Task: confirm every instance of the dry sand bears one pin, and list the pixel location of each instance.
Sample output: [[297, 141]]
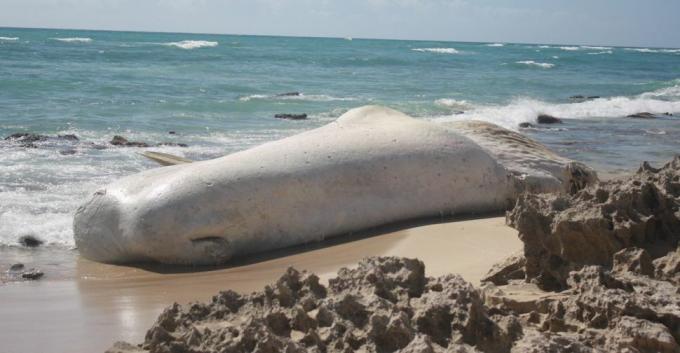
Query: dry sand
[[81, 306]]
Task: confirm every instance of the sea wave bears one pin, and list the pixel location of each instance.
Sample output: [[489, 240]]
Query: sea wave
[[495, 45], [9, 39], [192, 44], [648, 50], [437, 50], [595, 48], [570, 48], [527, 109], [73, 39], [301, 97], [602, 52], [536, 64], [454, 104]]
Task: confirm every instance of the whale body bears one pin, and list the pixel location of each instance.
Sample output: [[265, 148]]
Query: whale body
[[370, 167]]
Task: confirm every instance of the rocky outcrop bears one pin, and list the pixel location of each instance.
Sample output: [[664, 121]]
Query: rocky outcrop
[[389, 305], [565, 232], [383, 305]]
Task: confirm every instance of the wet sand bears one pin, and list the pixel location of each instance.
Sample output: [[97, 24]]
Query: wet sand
[[82, 306]]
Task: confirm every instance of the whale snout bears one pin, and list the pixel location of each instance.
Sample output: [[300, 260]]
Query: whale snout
[[97, 231]]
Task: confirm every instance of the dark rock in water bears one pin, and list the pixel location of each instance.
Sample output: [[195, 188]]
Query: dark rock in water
[[26, 137], [668, 114], [171, 132], [291, 116], [68, 137], [32, 274], [643, 115], [526, 125], [122, 141], [30, 241], [548, 119], [172, 144], [67, 152], [580, 98], [16, 267], [289, 94]]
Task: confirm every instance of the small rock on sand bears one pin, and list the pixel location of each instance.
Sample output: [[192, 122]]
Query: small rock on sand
[[32, 274], [643, 115]]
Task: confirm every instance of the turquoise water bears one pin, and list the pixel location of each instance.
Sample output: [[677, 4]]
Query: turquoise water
[[218, 93]]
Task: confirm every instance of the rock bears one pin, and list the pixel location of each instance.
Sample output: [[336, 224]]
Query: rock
[[291, 116], [173, 144], [548, 119], [633, 260], [667, 268], [16, 267], [510, 269], [30, 241], [578, 97], [643, 115], [26, 137], [526, 125], [68, 137], [68, 152], [122, 347], [444, 168], [562, 233], [289, 94], [668, 114], [122, 141], [32, 274], [172, 132]]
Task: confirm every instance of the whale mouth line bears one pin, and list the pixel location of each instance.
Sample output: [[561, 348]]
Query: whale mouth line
[[207, 239]]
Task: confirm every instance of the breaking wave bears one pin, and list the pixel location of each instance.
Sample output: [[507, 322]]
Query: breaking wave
[[437, 50], [8, 39], [665, 100], [300, 96], [536, 64], [495, 45], [192, 44], [74, 40]]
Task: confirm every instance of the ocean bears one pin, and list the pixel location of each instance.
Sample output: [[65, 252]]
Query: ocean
[[219, 94]]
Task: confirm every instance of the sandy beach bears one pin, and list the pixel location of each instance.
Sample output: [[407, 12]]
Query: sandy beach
[[82, 306]]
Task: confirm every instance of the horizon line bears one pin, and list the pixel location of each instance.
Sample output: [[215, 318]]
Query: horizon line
[[324, 37]]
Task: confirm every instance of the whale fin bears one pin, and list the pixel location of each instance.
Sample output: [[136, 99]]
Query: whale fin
[[165, 159]]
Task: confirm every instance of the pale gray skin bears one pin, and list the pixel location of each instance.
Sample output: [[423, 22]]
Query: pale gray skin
[[372, 166]]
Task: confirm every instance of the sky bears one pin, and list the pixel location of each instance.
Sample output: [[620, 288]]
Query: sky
[[597, 22]]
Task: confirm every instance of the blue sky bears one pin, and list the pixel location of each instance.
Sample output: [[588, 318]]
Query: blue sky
[[606, 22]]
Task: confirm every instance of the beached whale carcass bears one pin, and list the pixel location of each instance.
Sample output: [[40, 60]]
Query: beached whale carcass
[[370, 167]]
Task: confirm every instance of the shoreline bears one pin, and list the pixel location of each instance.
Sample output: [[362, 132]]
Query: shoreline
[[97, 304]]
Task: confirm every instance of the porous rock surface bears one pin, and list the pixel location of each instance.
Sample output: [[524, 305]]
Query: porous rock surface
[[565, 232], [388, 305]]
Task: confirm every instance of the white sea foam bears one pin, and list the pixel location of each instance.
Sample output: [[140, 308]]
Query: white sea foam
[[648, 50], [454, 104], [495, 45], [602, 52], [544, 46], [536, 64], [570, 48], [437, 50], [596, 48], [9, 39], [74, 40], [526, 109], [192, 44]]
